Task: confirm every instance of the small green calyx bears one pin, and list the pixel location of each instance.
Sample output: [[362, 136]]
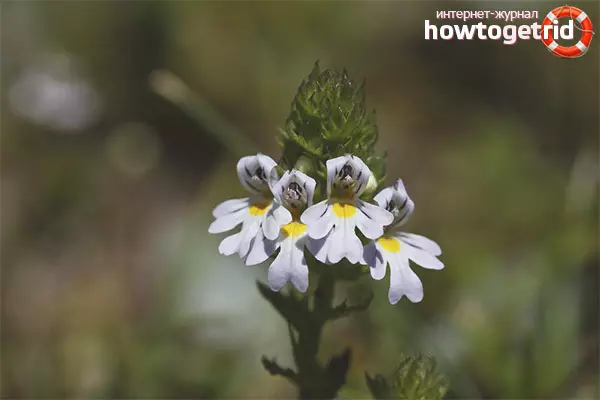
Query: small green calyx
[[328, 119]]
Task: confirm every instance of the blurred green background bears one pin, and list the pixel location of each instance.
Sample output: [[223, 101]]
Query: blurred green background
[[111, 286]]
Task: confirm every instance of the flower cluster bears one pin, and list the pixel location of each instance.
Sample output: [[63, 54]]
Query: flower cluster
[[279, 215]]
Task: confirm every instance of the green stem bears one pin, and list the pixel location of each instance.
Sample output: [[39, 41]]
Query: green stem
[[315, 381]]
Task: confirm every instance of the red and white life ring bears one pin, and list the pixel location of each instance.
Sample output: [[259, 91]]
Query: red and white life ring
[[587, 31]]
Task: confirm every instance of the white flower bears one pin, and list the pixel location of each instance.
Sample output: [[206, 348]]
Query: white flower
[[293, 193], [256, 213], [397, 248], [332, 222]]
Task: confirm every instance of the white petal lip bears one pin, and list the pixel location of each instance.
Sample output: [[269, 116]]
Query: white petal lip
[[335, 164], [318, 219], [277, 216], [290, 265], [319, 248], [403, 281], [322, 227], [422, 257], [261, 249], [371, 219], [230, 244], [246, 166], [374, 259], [228, 221], [344, 242], [314, 213], [230, 206], [249, 231], [421, 242]]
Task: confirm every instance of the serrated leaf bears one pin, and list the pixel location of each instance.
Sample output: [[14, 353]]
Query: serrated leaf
[[274, 368], [337, 368], [344, 310]]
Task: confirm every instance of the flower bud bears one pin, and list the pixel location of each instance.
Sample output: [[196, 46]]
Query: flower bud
[[305, 165], [371, 187]]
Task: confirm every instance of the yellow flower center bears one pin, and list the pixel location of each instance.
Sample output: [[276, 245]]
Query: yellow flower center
[[390, 244], [293, 229], [344, 210], [259, 208]]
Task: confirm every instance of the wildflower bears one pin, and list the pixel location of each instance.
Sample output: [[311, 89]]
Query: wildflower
[[397, 248], [255, 213], [293, 193], [332, 221]]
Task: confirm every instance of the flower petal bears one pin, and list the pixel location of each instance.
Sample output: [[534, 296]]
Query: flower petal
[[333, 166], [369, 228], [280, 186], [230, 206], [360, 172], [363, 175], [289, 265], [374, 259], [306, 182], [230, 244], [384, 196], [314, 213], [318, 220], [345, 243], [319, 247], [249, 231], [298, 274], [228, 221], [309, 185], [403, 281], [321, 228], [376, 213], [247, 168], [371, 219], [282, 216], [421, 242], [395, 199], [261, 249], [405, 204], [422, 257], [277, 217], [268, 165]]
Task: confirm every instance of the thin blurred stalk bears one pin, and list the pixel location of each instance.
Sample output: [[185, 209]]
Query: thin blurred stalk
[[172, 88]]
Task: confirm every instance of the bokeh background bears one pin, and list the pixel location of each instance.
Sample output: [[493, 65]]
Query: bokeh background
[[111, 286]]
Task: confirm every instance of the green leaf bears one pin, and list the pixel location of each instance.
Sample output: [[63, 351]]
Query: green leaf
[[275, 369], [344, 309], [337, 369], [416, 378]]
